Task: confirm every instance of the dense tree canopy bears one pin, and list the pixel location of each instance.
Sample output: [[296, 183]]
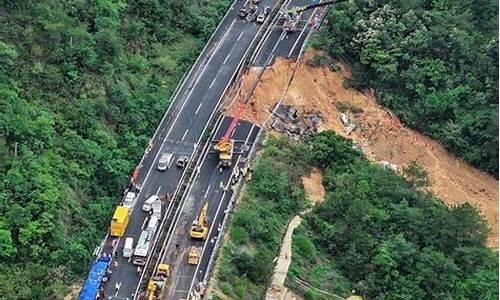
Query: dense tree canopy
[[83, 85], [434, 63], [375, 233]]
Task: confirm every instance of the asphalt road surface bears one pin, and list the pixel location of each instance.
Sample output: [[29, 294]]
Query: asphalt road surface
[[212, 185], [284, 44], [178, 133]]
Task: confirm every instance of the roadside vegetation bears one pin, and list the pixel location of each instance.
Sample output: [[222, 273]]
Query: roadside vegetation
[[83, 85], [377, 233], [433, 63], [270, 199]]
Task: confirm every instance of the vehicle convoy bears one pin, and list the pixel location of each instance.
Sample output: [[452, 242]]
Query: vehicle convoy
[[119, 221], [95, 279], [165, 161], [142, 249], [199, 229], [194, 255], [157, 282]]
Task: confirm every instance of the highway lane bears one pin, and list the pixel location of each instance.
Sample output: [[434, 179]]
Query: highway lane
[[280, 44], [212, 186], [179, 132]]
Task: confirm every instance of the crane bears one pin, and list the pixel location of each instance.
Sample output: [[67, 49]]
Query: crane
[[199, 229], [292, 15], [225, 146]]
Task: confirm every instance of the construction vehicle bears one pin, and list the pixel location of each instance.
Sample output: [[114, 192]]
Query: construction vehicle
[[119, 221], [199, 229], [157, 282], [194, 255], [292, 15], [225, 146]]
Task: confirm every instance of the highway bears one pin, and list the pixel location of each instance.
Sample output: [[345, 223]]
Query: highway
[[281, 44], [180, 132], [212, 186]]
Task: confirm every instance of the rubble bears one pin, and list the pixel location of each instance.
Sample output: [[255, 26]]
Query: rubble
[[290, 121]]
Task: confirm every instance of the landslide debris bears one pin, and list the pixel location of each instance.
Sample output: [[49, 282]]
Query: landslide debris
[[320, 92]]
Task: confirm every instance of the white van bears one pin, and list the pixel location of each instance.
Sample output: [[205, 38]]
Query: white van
[[128, 248], [149, 203], [165, 161]]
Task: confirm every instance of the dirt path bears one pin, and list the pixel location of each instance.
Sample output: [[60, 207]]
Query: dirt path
[[378, 133], [315, 192]]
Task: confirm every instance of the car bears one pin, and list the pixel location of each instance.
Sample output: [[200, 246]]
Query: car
[[182, 161], [267, 9], [128, 248], [260, 18], [243, 12], [252, 17], [129, 200], [165, 161]]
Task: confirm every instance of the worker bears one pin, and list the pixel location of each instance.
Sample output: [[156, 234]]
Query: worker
[[139, 270], [115, 263], [176, 246]]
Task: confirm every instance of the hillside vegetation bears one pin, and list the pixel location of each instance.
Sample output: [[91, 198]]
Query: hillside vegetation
[[433, 63], [376, 232], [83, 85], [379, 235]]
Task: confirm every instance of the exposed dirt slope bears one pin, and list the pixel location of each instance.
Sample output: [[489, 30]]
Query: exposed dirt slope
[[379, 133]]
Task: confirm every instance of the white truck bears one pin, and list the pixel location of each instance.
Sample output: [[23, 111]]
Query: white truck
[[141, 249]]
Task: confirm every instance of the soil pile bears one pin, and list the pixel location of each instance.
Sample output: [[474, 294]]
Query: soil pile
[[377, 131]]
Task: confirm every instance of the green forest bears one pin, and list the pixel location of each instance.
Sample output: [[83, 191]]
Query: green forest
[[83, 85], [377, 234], [433, 63]]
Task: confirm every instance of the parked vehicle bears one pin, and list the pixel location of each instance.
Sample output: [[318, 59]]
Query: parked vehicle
[[243, 12], [165, 161], [182, 161], [129, 200], [119, 221], [148, 204], [260, 18], [128, 248], [94, 281], [152, 224], [141, 250]]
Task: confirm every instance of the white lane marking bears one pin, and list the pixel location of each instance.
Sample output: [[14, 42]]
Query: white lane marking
[[185, 133], [249, 134], [239, 36], [144, 223], [158, 190], [207, 191], [198, 109], [213, 81], [196, 82]]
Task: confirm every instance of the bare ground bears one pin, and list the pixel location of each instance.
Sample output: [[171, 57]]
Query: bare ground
[[379, 133]]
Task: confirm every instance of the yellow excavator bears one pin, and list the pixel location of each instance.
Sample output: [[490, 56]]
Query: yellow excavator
[[157, 282], [199, 229]]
